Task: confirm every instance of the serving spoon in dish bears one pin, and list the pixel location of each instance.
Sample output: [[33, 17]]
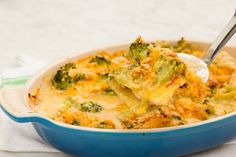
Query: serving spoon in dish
[[200, 66]]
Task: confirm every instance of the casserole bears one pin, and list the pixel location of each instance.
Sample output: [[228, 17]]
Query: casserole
[[82, 141]]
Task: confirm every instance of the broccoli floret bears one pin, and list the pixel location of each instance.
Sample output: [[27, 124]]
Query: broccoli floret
[[109, 91], [138, 50], [68, 66], [89, 106], [79, 76], [166, 67], [62, 80], [182, 46], [125, 78], [99, 60]]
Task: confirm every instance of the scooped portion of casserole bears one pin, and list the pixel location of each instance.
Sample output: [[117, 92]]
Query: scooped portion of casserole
[[146, 86]]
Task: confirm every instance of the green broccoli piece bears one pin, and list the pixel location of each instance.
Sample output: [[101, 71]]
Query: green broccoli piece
[[138, 50], [182, 46], [124, 77], [128, 98], [108, 91], [62, 80], [99, 60], [166, 67], [79, 76], [89, 106]]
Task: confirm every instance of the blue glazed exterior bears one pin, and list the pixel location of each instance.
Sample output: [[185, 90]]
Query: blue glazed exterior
[[169, 143]]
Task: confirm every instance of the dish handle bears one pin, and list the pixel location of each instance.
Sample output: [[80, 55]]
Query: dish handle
[[12, 103]]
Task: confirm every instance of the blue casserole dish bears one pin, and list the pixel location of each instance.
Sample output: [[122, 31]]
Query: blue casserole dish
[[92, 142]]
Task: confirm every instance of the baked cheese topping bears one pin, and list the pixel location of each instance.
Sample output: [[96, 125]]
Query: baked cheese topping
[[146, 86]]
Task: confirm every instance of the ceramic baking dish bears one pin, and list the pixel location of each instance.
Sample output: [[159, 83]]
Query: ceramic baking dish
[[91, 142]]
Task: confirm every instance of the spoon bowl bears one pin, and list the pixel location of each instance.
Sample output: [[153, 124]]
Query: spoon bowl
[[200, 66], [196, 65]]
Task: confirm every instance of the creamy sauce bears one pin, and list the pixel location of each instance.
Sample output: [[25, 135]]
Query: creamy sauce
[[117, 91]]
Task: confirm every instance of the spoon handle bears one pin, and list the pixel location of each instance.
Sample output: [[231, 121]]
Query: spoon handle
[[221, 40]]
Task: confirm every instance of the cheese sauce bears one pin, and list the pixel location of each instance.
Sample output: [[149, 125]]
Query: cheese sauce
[[147, 86]]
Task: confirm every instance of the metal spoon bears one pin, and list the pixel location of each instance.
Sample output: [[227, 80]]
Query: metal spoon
[[200, 65]]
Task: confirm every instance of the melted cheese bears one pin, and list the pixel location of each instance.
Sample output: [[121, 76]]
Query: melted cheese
[[139, 102]]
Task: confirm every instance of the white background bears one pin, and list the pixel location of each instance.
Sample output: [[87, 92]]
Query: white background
[[50, 29]]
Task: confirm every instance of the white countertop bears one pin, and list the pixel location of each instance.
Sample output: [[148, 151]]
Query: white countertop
[[49, 29]]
